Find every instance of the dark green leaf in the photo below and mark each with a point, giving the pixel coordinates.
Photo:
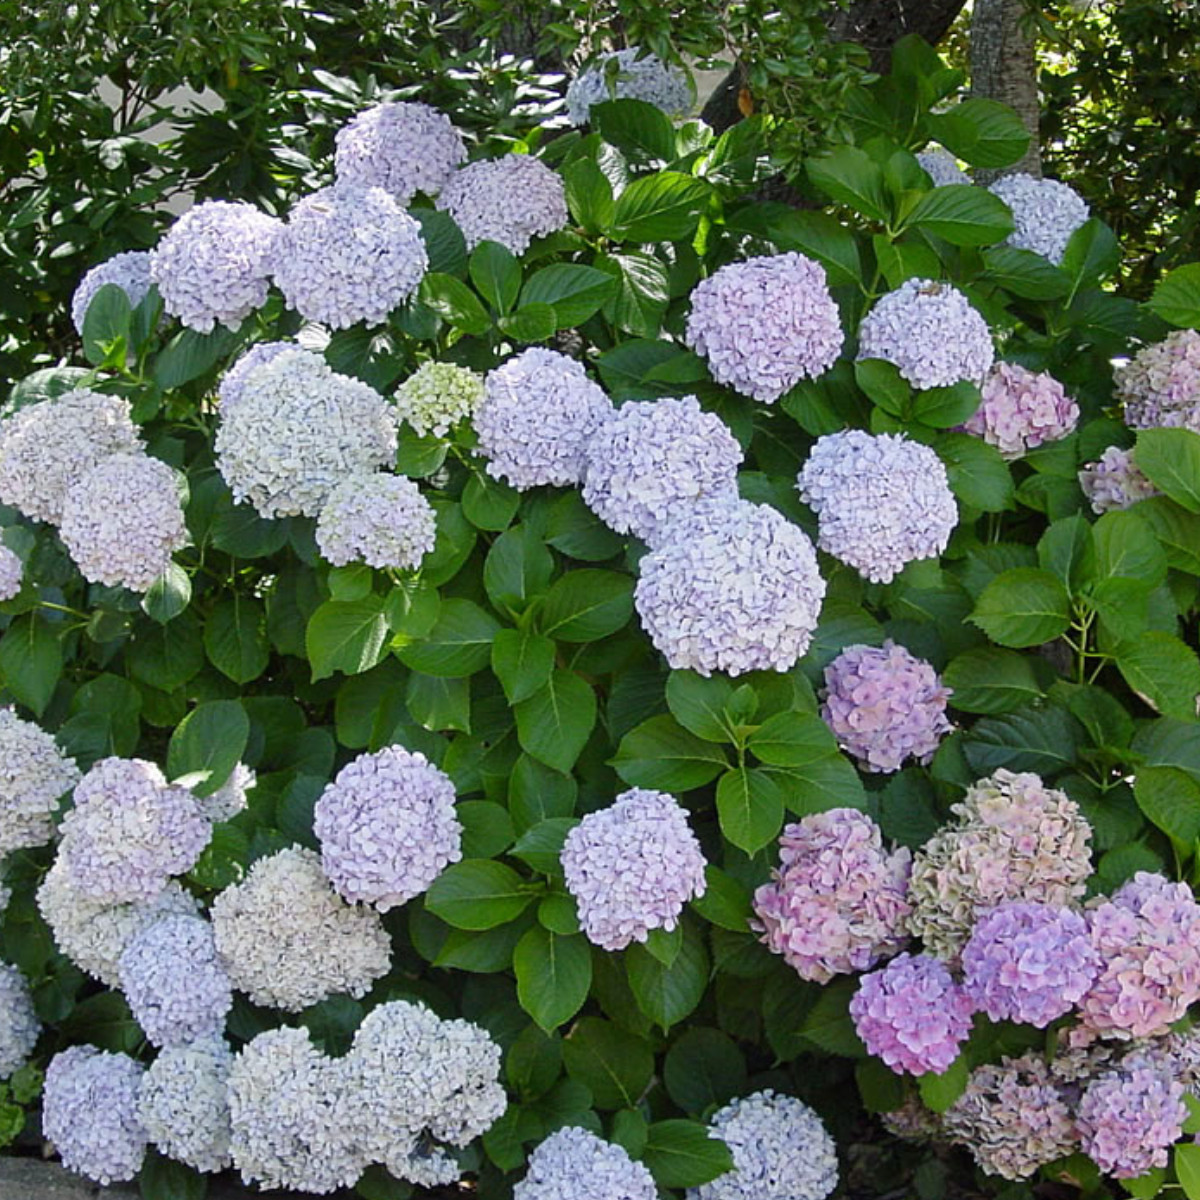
(698, 704)
(208, 743)
(574, 291)
(851, 177)
(586, 605)
(555, 722)
(661, 207)
(661, 754)
(478, 893)
(1023, 607)
(1160, 668)
(235, 638)
(523, 661)
(346, 636)
(459, 644)
(31, 660)
(991, 680)
(1177, 299)
(614, 1065)
(1170, 798)
(667, 994)
(963, 215)
(497, 274)
(984, 133)
(553, 975)
(1170, 458)
(454, 302)
(680, 1154)
(640, 130)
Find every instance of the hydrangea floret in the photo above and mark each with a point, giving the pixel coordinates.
(381, 520)
(942, 167)
(437, 396)
(130, 271)
(230, 798)
(1114, 481)
(19, 1024)
(636, 75)
(1128, 1119)
(510, 200)
(1045, 212)
(233, 382)
(184, 1104)
(34, 775)
(1160, 387)
(1022, 409)
(12, 573)
(573, 1164)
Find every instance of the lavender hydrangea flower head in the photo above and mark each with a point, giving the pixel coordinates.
(130, 831)
(884, 705)
(12, 572)
(214, 264)
(536, 418)
(942, 167)
(347, 254)
(130, 271)
(509, 200)
(233, 382)
(89, 1112)
(176, 986)
(632, 867)
(1028, 962)
(930, 333)
(731, 586)
(637, 76)
(1022, 409)
(382, 520)
(437, 396)
(882, 501)
(230, 798)
(765, 324)
(297, 431)
(1045, 211)
(1013, 838)
(288, 939)
(34, 774)
(652, 459)
(19, 1025)
(780, 1148)
(387, 827)
(1127, 1119)
(184, 1106)
(403, 148)
(1147, 937)
(1012, 1118)
(45, 447)
(573, 1164)
(912, 1014)
(1114, 481)
(1160, 387)
(122, 521)
(837, 902)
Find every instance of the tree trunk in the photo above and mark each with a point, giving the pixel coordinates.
(1003, 68)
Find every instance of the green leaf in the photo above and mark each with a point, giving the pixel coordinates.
(1123, 551)
(664, 207)
(1091, 255)
(698, 704)
(641, 131)
(1177, 530)
(828, 1024)
(1024, 273)
(963, 215)
(1170, 798)
(1177, 298)
(819, 785)
(938, 1092)
(681, 1154)
(1042, 739)
(884, 384)
(523, 661)
(235, 638)
(417, 456)
(443, 240)
(31, 660)
(589, 195)
(667, 994)
(532, 1063)
(1068, 549)
(163, 656)
(163, 1178)
(881, 1089)
(554, 975)
(984, 133)
(575, 530)
(487, 828)
(574, 291)
(240, 531)
(536, 793)
(105, 322)
(643, 291)
(1147, 1186)
(851, 177)
(411, 611)
(990, 680)
(1187, 1168)
(541, 845)
(704, 1069)
(661, 754)
(454, 302)
(750, 808)
(459, 644)
(534, 322)
(1023, 607)
(726, 901)
(189, 354)
(489, 503)
(819, 236)
(586, 605)
(615, 1066)
(517, 567)
(1160, 668)
(224, 859)
(557, 913)
(496, 273)
(555, 722)
(209, 742)
(978, 476)
(792, 739)
(1170, 459)
(168, 595)
(438, 703)
(346, 636)
(478, 893)
(944, 407)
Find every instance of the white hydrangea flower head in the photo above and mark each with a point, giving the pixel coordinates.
(765, 324)
(130, 831)
(652, 459)
(298, 429)
(381, 520)
(510, 200)
(45, 447)
(1114, 481)
(881, 500)
(12, 572)
(942, 167)
(184, 1104)
(347, 254)
(130, 271)
(19, 1025)
(1021, 409)
(781, 1151)
(437, 396)
(574, 1164)
(285, 1098)
(34, 775)
(213, 266)
(233, 382)
(731, 586)
(123, 520)
(403, 148)
(538, 414)
(930, 333)
(1160, 386)
(638, 76)
(230, 798)
(1045, 211)
(288, 939)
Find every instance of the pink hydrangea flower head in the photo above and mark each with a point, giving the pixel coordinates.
(1022, 409)
(1160, 388)
(1115, 481)
(1128, 1119)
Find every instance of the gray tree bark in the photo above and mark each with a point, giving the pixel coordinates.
(1003, 67)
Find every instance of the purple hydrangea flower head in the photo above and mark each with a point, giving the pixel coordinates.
(942, 167)
(19, 1025)
(912, 1014)
(1022, 409)
(288, 939)
(930, 333)
(536, 418)
(176, 986)
(1045, 211)
(1128, 1118)
(1160, 387)
(403, 148)
(130, 831)
(1148, 939)
(573, 1164)
(1012, 1118)
(45, 447)
(437, 396)
(214, 264)
(12, 572)
(1115, 481)
(765, 324)
(884, 705)
(34, 774)
(1013, 838)
(184, 1105)
(881, 500)
(1028, 962)
(230, 798)
(632, 867)
(130, 271)
(347, 254)
(381, 520)
(731, 586)
(637, 76)
(781, 1151)
(509, 200)
(837, 902)
(298, 430)
(655, 457)
(387, 827)
(233, 382)
(89, 1112)
(122, 521)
